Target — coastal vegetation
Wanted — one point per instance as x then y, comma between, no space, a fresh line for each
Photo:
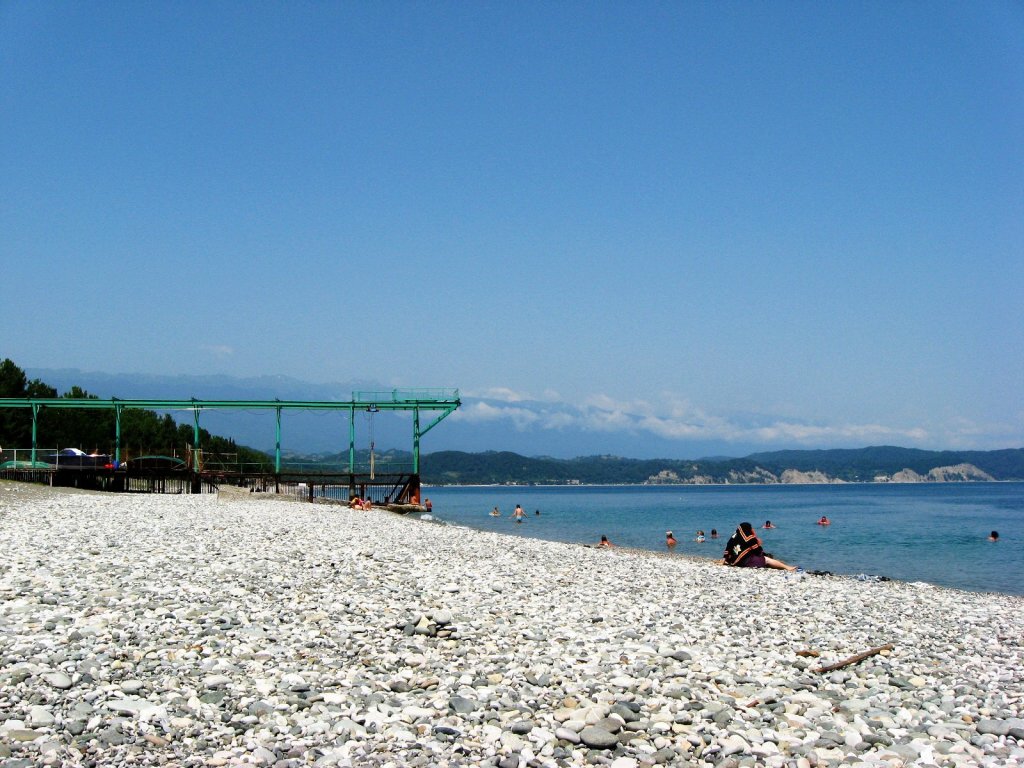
143,432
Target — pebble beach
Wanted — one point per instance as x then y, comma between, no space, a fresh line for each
243,629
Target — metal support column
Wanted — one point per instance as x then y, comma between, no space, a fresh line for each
277,444
195,430
351,440
416,441
117,435
351,452
35,417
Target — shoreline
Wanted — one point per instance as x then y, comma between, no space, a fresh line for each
202,630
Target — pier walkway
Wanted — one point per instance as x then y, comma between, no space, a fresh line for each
382,483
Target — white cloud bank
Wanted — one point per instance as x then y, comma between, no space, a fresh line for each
674,418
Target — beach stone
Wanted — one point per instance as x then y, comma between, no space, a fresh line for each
994,727
462,705
40,717
23,734
598,738
627,713
213,682
58,680
567,734
521,727
734,744
666,755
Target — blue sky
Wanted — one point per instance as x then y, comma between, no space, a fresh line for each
747,225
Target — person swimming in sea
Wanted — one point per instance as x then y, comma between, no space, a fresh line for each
604,543
700,537
768,524
714,533
994,536
517,515
824,521
670,540
495,512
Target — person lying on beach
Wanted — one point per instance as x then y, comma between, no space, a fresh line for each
355,503
604,543
670,540
744,550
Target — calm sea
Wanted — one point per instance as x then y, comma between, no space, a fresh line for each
935,533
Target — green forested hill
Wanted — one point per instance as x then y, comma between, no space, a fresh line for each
865,463
852,465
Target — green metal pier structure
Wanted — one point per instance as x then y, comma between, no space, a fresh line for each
392,485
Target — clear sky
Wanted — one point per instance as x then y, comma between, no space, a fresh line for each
791,224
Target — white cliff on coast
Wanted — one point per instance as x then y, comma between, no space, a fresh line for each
958,473
795,477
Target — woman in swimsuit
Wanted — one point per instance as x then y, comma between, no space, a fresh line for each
744,550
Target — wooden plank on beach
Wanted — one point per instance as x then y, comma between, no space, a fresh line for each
855,658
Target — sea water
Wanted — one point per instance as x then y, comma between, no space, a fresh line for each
936,533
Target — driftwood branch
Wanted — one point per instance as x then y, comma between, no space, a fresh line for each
855,658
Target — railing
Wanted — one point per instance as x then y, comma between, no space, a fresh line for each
301,467
406,395
49,458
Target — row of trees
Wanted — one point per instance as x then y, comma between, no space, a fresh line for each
142,432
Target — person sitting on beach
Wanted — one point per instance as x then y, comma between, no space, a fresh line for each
367,504
670,540
700,537
994,536
744,550
824,521
355,503
768,524
604,543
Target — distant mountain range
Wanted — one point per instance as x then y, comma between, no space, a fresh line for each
880,464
